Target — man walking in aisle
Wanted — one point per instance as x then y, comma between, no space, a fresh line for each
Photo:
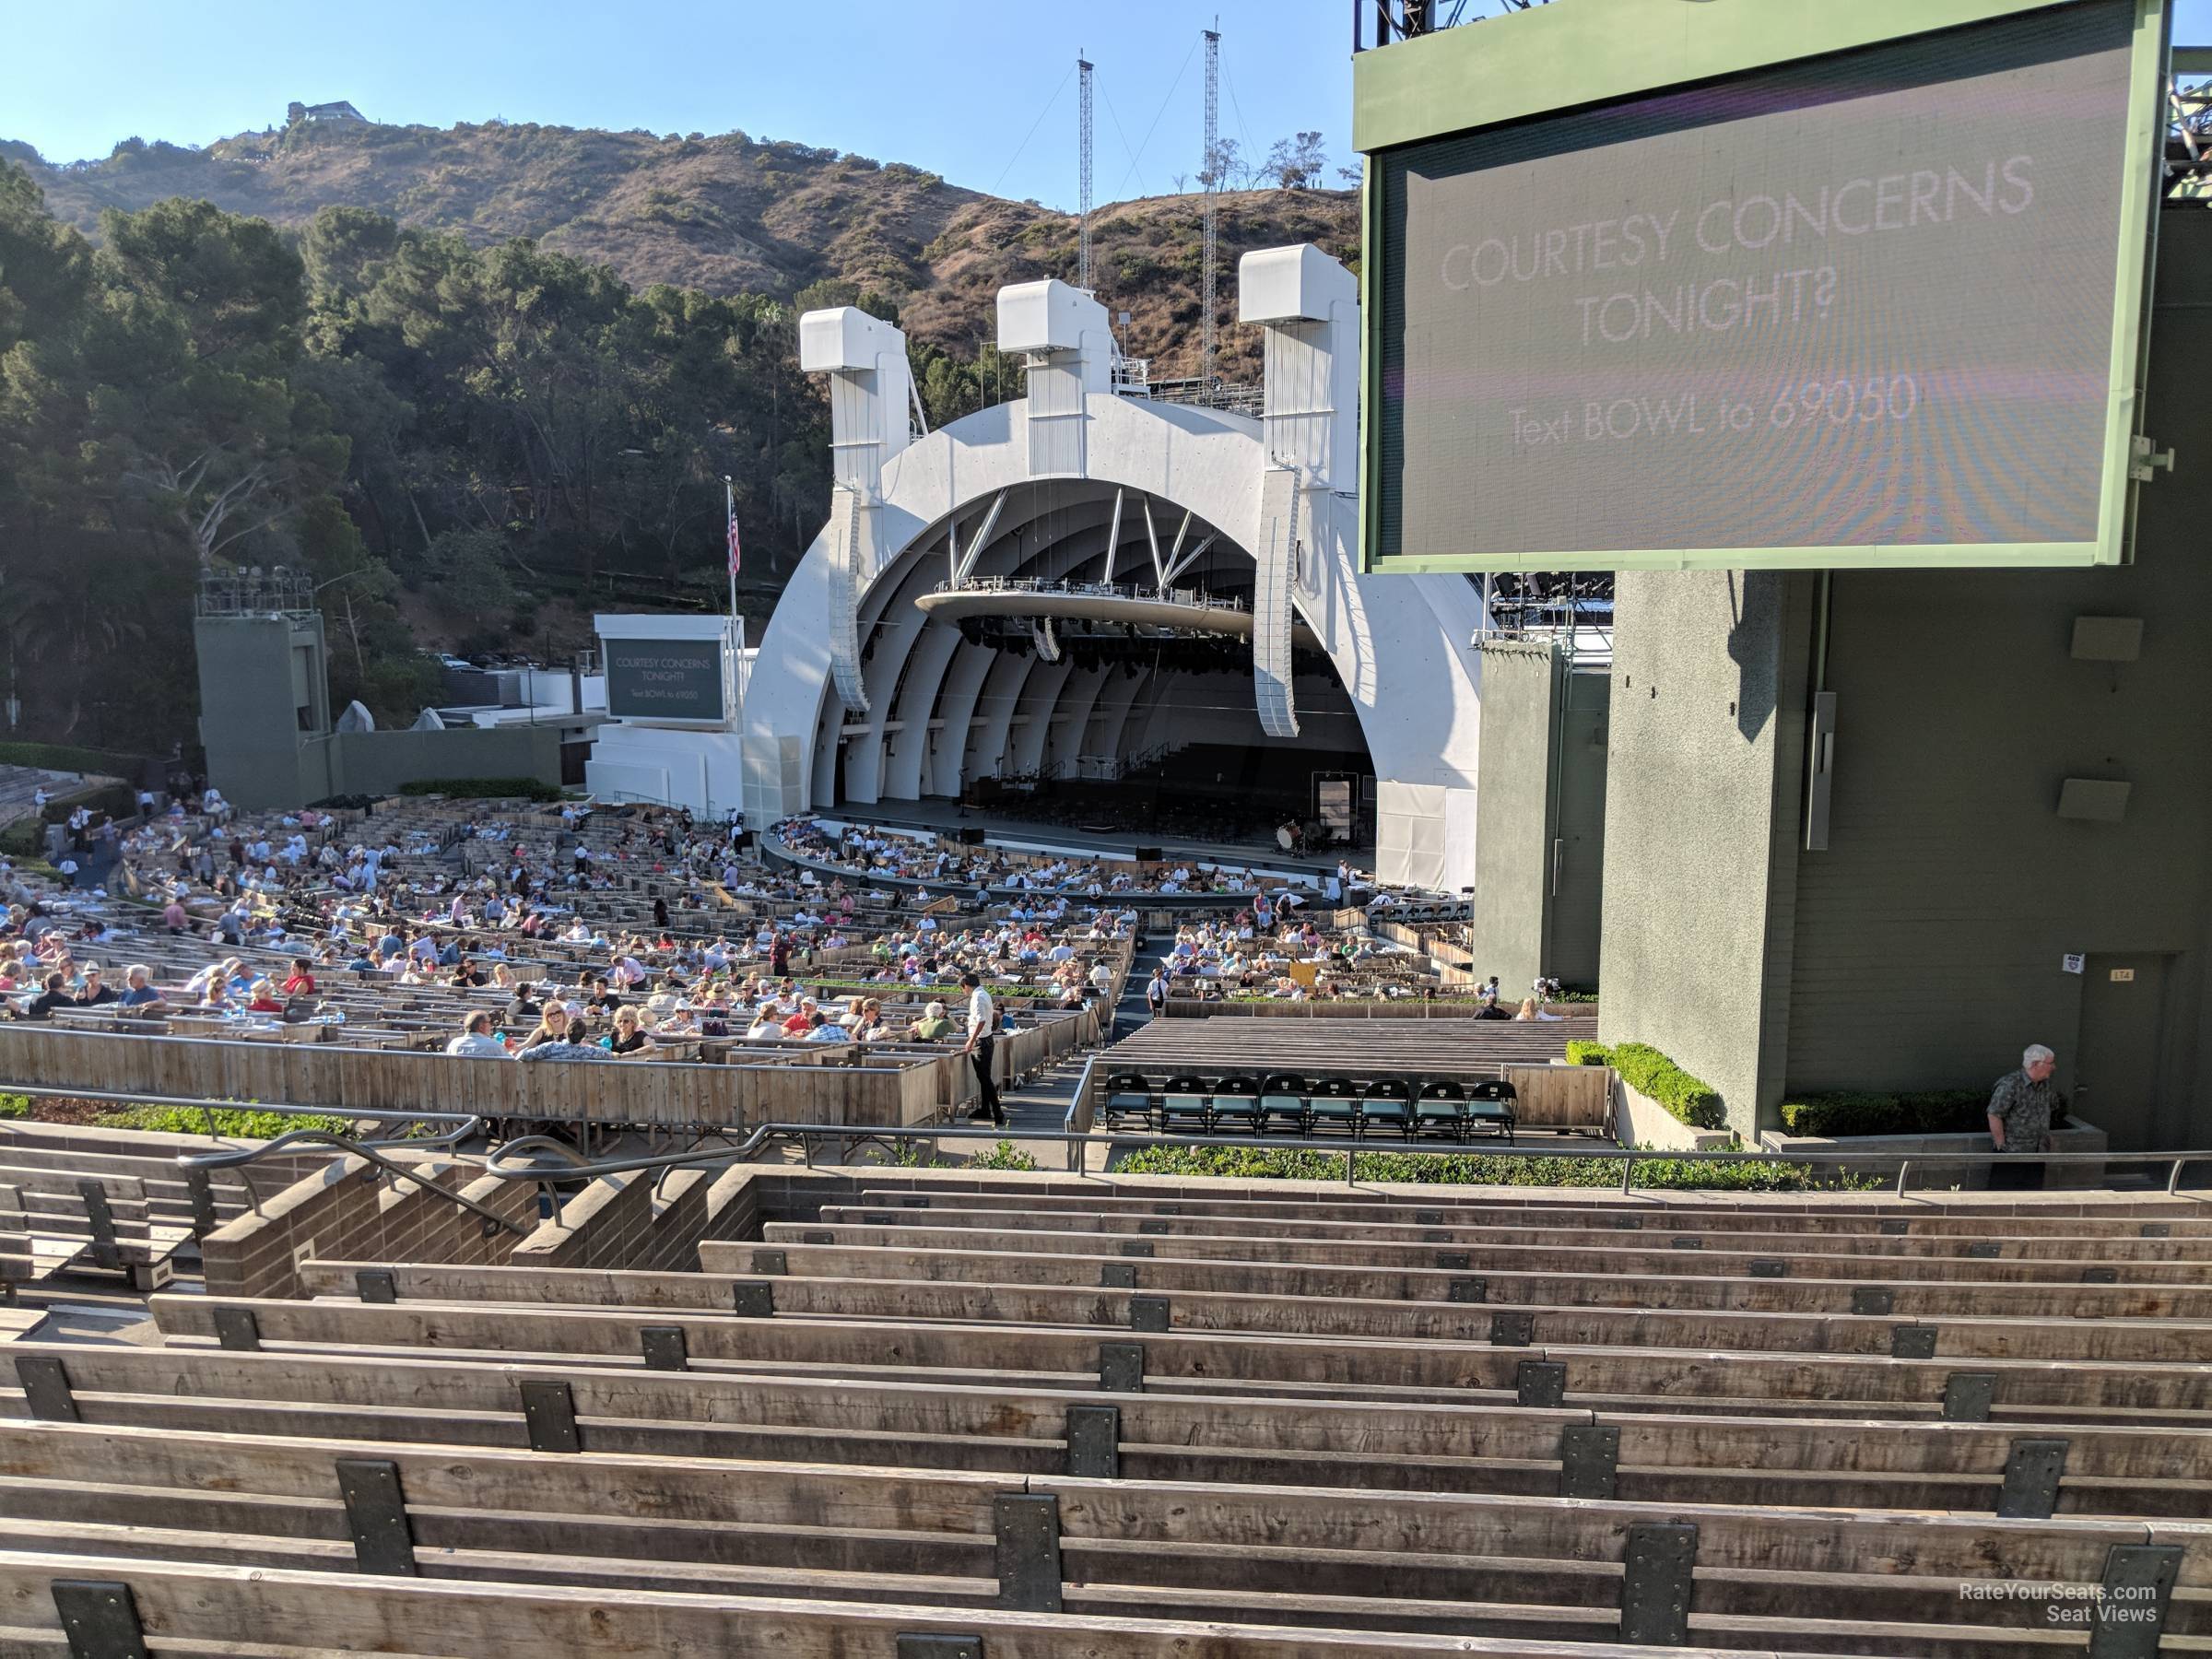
983,1025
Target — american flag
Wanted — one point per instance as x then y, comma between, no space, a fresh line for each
733,508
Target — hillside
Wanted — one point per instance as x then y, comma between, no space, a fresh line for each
727,214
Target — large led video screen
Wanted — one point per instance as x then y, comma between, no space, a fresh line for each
665,679
1863,303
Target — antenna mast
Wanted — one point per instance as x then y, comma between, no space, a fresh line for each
1083,170
1210,178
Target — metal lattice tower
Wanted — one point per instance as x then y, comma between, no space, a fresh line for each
1210,178
1083,169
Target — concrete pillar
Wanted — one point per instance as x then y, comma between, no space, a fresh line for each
1703,814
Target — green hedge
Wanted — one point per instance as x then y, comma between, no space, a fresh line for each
1483,1169
1858,1111
1652,1074
482,789
62,756
240,1121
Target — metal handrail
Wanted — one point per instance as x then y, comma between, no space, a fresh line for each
572,1166
366,1151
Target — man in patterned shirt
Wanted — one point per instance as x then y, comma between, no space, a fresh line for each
2020,1112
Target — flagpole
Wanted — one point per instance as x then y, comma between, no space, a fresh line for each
729,502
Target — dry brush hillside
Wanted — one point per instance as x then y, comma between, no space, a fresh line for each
730,214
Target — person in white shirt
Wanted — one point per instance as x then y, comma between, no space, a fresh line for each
983,1025
477,1039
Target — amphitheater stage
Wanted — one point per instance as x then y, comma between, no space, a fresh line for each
1101,841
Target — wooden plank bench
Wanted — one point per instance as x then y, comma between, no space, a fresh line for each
1017,1430
76,1223
1192,1287
1459,1563
219,1607
1283,1365
2178,1221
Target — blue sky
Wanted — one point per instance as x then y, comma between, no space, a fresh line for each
950,85
979,90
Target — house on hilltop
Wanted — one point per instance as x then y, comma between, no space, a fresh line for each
295,113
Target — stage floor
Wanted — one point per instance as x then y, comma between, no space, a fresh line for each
948,817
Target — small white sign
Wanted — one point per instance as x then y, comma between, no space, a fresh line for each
2072,964
2121,976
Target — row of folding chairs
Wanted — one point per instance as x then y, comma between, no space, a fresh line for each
1287,1102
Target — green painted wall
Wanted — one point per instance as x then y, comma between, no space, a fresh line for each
1540,816
1925,945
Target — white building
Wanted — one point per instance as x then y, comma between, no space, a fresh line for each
1089,504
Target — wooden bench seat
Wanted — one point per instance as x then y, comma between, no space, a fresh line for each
277,1613
1016,1430
1285,1366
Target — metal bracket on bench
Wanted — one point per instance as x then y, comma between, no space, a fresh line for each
1984,1250
1876,1300
200,1187
1428,1217
1655,1583
102,1219
1687,1242
1131,1247
1094,1442
377,1285
1151,1227
2100,1276
1117,1276
1967,1396
99,1618
549,1414
237,1330
1628,1224
753,1298
664,1347
1912,1342
1588,1461
1467,1290
1770,1267
771,1261
376,1514
1894,1228
1512,1328
2130,1617
46,1388
1148,1313
1541,1384
933,1644
880,1219
1028,1529
914,1201
820,1236
2031,1475
1121,1367
1453,1258
2155,1229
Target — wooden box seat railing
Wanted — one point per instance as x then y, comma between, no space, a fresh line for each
994,1425
1108,1546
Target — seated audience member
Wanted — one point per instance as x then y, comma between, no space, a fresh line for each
95,992
933,1025
625,1038
138,991
820,1028
477,1039
55,995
